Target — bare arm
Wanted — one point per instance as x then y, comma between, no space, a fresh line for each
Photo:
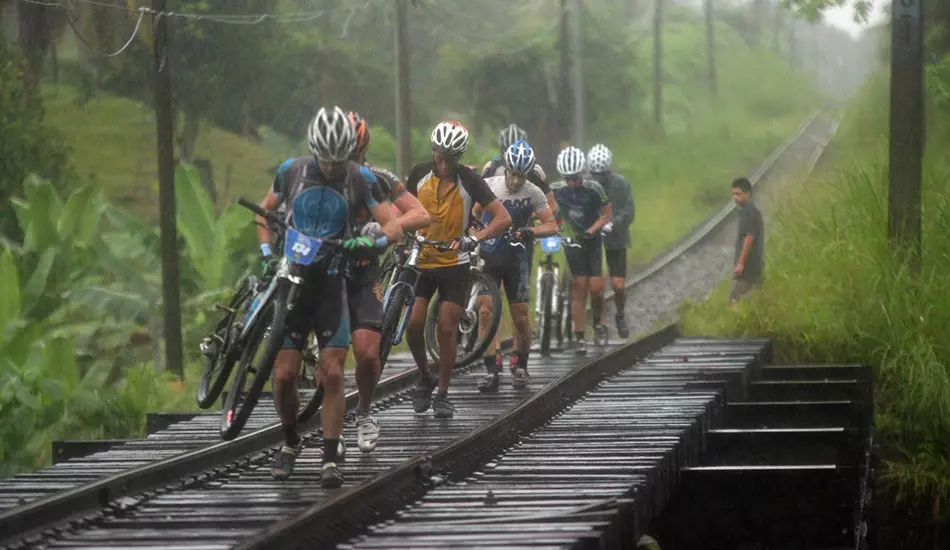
412,215
606,214
477,211
391,227
500,220
269,204
548,226
551,203
746,247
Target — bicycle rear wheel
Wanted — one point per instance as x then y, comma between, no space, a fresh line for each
469,345
217,368
255,368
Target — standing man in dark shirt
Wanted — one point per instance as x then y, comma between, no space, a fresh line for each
617,232
750,242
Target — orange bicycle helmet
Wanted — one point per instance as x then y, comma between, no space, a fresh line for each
362,131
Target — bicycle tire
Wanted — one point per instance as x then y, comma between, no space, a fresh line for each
547,302
391,317
211,385
482,344
233,418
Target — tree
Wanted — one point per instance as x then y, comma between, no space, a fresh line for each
711,44
28,145
811,10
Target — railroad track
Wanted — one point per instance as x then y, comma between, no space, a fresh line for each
73,500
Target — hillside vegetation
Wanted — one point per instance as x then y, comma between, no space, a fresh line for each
835,293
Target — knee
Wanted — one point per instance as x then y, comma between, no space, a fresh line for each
447,328
367,357
285,371
520,321
332,375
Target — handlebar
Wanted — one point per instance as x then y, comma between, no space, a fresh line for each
269,216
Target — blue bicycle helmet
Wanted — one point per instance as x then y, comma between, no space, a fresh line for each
519,158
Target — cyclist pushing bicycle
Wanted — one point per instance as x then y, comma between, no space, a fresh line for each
447,189
509,265
585,208
327,197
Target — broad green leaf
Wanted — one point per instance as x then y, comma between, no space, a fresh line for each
80,217
118,304
9,291
45,209
36,285
23,214
21,341
60,362
196,221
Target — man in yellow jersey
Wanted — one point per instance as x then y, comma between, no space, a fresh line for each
448,190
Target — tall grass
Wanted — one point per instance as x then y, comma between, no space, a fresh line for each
836,291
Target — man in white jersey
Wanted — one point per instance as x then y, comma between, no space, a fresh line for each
496,166
510,264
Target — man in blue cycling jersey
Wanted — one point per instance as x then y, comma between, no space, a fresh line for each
327,196
585,209
509,265
496,166
617,232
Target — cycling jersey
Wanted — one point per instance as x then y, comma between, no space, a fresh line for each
522,205
579,207
449,212
496,167
320,207
621,200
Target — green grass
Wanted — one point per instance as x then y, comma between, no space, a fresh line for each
680,179
836,292
112,140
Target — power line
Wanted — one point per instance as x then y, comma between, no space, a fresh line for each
226,18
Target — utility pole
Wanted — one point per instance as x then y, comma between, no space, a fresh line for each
711,45
564,66
403,133
578,71
658,65
907,129
166,192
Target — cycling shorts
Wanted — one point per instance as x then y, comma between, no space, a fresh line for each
514,277
616,262
365,297
586,260
451,282
321,307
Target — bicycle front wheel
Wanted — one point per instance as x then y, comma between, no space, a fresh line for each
257,363
547,298
469,344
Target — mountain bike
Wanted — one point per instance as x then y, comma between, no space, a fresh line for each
400,276
469,347
549,308
263,323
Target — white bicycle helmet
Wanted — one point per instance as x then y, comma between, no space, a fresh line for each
510,135
332,136
570,161
519,158
599,158
450,137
